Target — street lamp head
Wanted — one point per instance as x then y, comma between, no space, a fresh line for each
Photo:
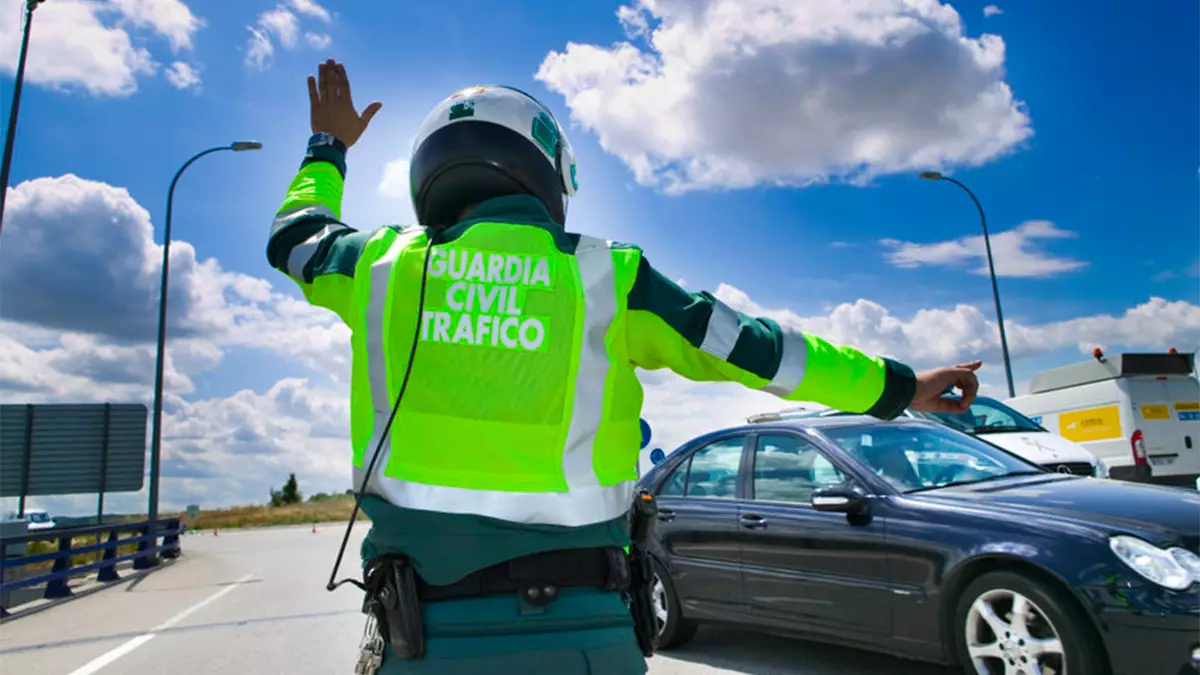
239,146
931,175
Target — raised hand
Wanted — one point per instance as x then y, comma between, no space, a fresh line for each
333,110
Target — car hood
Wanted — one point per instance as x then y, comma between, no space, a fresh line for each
1166,515
1039,447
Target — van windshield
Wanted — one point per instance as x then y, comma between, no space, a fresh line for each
986,416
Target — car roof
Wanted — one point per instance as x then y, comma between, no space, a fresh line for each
830,422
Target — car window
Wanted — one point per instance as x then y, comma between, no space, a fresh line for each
714,470
673,487
789,469
986,416
912,457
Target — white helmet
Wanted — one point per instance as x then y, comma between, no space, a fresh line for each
484,142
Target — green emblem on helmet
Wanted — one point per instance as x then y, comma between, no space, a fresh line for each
461,110
545,132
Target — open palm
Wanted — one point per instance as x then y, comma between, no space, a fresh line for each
332,108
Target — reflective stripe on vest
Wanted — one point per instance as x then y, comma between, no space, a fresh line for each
586,499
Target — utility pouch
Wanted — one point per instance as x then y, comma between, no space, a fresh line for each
392,598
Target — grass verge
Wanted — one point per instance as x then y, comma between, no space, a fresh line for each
331,509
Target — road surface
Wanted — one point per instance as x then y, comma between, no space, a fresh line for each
255,602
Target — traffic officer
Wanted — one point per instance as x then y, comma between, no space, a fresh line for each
502,483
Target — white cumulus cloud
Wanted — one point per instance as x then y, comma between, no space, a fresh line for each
311,8
75,50
79,257
317,40
282,24
737,93
992,10
169,18
259,50
393,183
182,76
98,48
1016,252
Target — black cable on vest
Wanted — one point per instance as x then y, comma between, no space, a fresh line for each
331,585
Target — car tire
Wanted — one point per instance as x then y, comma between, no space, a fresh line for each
999,639
674,630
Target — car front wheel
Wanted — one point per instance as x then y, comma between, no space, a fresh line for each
673,629
1012,624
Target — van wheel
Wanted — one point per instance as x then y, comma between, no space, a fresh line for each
1011,623
673,629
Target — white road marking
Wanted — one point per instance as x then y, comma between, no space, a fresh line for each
107,658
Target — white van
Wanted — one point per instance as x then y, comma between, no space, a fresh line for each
992,421
1139,413
36,518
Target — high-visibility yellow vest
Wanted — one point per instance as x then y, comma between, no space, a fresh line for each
515,408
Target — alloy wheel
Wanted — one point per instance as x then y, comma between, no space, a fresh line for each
1008,634
658,598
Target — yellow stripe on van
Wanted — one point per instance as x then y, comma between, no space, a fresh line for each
1155,411
1092,424
1189,406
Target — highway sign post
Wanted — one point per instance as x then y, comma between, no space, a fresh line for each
60,449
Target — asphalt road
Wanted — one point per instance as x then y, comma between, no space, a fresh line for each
254,602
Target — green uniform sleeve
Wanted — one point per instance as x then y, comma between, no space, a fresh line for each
703,339
308,241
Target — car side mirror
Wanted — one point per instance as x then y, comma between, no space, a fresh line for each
839,499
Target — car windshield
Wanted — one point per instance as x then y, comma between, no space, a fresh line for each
914,457
38,517
986,416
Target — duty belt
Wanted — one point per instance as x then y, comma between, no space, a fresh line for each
538,577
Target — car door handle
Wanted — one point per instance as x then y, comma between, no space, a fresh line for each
752,521
666,515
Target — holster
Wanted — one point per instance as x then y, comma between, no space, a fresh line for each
392,598
641,526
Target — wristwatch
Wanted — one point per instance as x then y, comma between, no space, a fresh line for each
322,139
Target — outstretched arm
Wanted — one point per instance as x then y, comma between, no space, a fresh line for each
308,241
703,339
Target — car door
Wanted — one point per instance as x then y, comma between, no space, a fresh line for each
825,571
697,525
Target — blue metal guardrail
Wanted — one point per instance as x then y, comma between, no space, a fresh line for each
144,557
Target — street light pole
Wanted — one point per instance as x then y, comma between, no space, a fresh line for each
987,244
160,355
11,134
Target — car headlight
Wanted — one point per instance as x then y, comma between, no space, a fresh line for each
1188,560
1165,568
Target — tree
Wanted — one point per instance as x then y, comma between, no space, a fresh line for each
290,494
291,491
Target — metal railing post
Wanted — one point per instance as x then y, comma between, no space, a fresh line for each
58,587
146,558
109,571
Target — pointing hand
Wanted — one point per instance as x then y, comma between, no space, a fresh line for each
931,384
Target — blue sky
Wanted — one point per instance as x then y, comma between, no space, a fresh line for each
790,190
